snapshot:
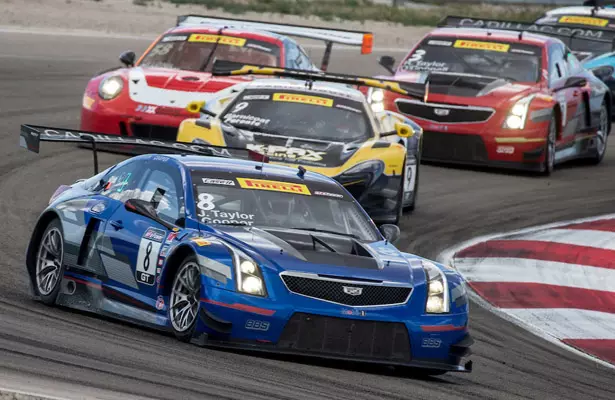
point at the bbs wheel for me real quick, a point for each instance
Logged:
(185, 299)
(549, 162)
(602, 136)
(49, 263)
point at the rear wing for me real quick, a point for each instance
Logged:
(565, 33)
(31, 136)
(361, 39)
(229, 68)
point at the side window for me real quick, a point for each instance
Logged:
(304, 60)
(162, 187)
(122, 182)
(292, 55)
(557, 64)
(573, 62)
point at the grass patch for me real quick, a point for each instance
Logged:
(366, 10)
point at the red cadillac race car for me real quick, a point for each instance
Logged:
(499, 97)
(148, 97)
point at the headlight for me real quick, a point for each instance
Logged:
(110, 87)
(518, 113)
(249, 276)
(375, 97)
(370, 169)
(437, 289)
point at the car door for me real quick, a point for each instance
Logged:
(138, 241)
(570, 98)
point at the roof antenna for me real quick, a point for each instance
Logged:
(309, 83)
(301, 172)
(520, 35)
(265, 151)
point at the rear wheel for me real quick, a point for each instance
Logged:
(602, 136)
(49, 263)
(185, 299)
(549, 161)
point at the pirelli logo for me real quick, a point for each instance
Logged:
(299, 98)
(275, 186)
(487, 46)
(227, 40)
(576, 19)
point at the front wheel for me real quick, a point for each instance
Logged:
(185, 299)
(602, 135)
(49, 263)
(399, 208)
(549, 161)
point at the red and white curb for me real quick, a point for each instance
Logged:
(556, 280)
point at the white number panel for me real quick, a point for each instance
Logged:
(147, 259)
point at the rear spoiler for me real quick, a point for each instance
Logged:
(230, 68)
(329, 36)
(593, 35)
(31, 136)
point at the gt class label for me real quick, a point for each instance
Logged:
(299, 98)
(276, 186)
(227, 40)
(575, 19)
(149, 248)
(476, 45)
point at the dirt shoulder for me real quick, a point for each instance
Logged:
(124, 17)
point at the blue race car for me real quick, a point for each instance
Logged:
(242, 254)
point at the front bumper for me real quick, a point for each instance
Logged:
(312, 328)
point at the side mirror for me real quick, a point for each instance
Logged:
(388, 63)
(195, 106)
(604, 72)
(128, 58)
(390, 232)
(146, 209)
(573, 82)
(404, 130)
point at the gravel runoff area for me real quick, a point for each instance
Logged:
(122, 17)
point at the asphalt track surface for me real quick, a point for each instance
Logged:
(42, 78)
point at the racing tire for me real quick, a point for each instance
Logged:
(399, 208)
(185, 298)
(602, 136)
(410, 207)
(49, 263)
(548, 164)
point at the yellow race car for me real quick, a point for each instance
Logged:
(322, 122)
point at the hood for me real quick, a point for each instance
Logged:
(174, 88)
(312, 252)
(290, 150)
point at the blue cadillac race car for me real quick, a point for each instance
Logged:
(242, 254)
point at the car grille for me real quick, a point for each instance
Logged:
(449, 115)
(333, 291)
(348, 338)
(161, 132)
(453, 147)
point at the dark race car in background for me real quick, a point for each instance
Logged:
(501, 98)
(148, 97)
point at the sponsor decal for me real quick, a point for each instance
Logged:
(98, 208)
(441, 112)
(349, 311)
(347, 108)
(256, 97)
(201, 242)
(164, 251)
(352, 291)
(505, 150)
(276, 186)
(227, 40)
(256, 325)
(147, 109)
(174, 38)
(287, 153)
(147, 258)
(579, 20)
(214, 181)
(209, 215)
(160, 158)
(159, 303)
(431, 343)
(328, 194)
(477, 45)
(160, 262)
(300, 98)
(171, 237)
(439, 43)
(259, 47)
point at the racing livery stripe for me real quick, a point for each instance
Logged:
(242, 307)
(557, 280)
(442, 328)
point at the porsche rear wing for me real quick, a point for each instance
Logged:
(230, 68)
(31, 136)
(567, 33)
(329, 36)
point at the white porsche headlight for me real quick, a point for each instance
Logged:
(437, 289)
(518, 113)
(375, 97)
(110, 87)
(248, 273)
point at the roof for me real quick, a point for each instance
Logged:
(494, 34)
(326, 88)
(254, 34)
(237, 165)
(583, 10)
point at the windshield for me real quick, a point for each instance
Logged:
(297, 114)
(191, 51)
(517, 62)
(260, 201)
(584, 35)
